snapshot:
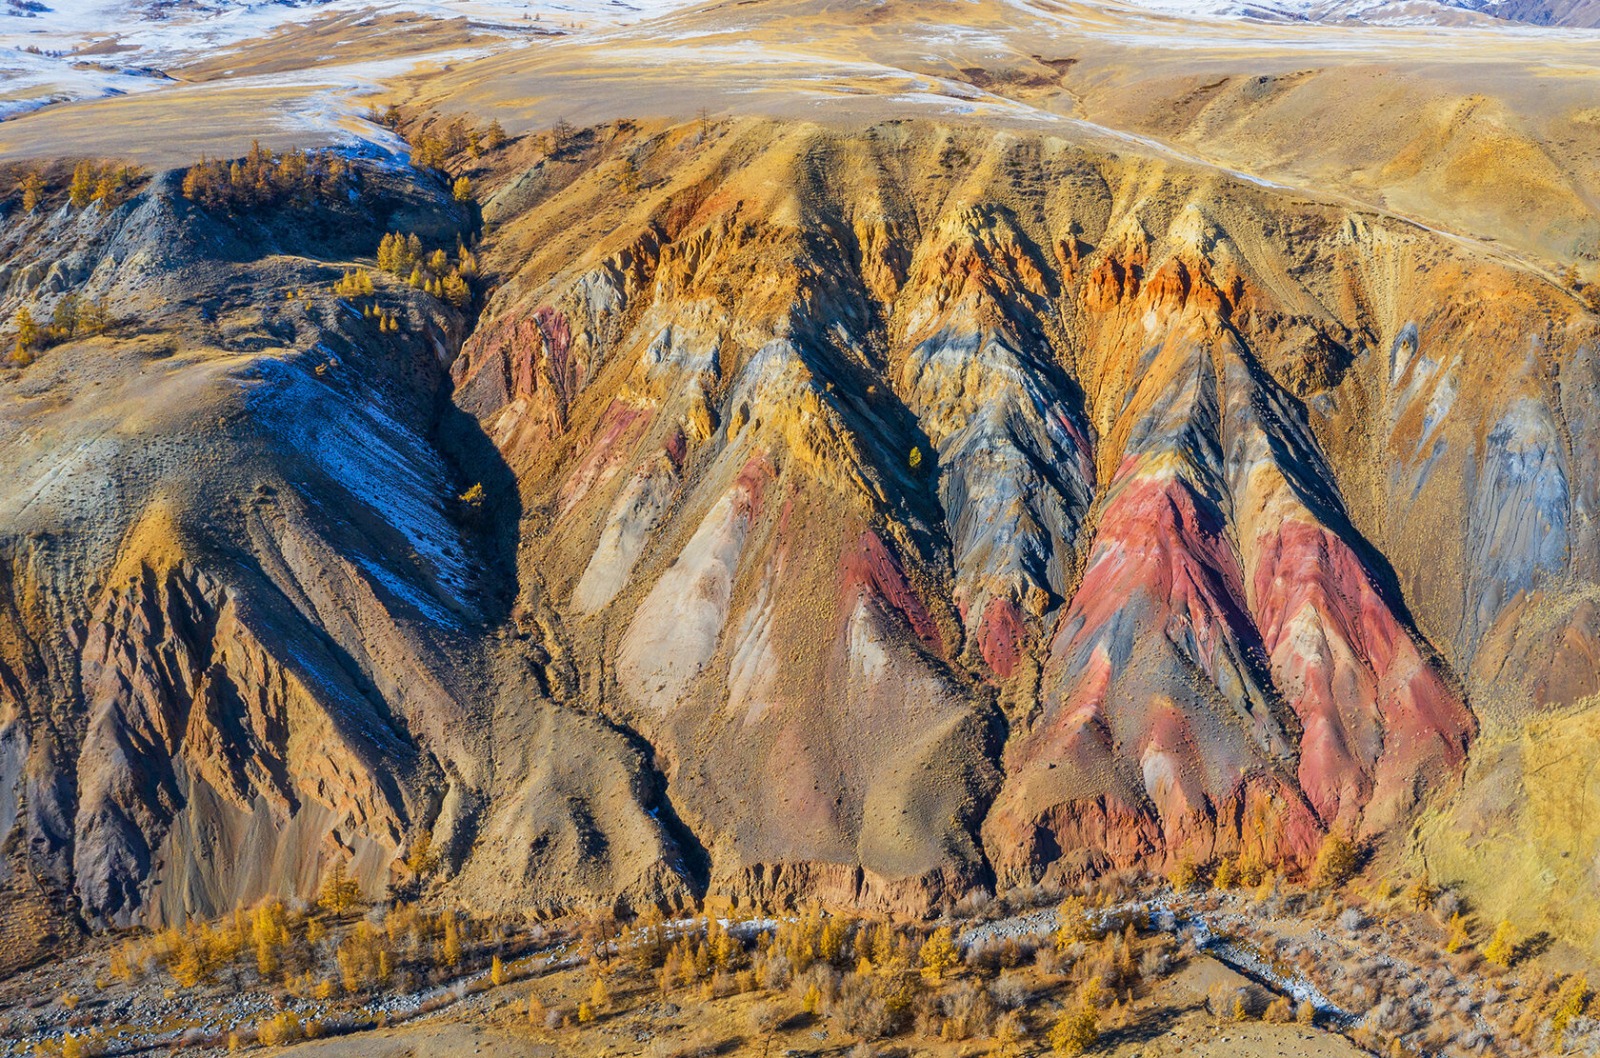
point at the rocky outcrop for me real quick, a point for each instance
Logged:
(244, 617)
(869, 517)
(1091, 494)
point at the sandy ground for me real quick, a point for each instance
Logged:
(428, 1041)
(1169, 1025)
(1486, 134)
(1189, 1031)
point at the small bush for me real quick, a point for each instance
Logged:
(284, 1029)
(1155, 963)
(1010, 992)
(863, 1010)
(767, 1017)
(1389, 1017)
(968, 1012)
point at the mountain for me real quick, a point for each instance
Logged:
(1578, 13)
(877, 460)
(1574, 13)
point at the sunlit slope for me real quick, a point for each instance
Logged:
(926, 446)
(1121, 449)
(1484, 131)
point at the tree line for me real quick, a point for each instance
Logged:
(437, 272)
(263, 178)
(90, 182)
(435, 144)
(74, 317)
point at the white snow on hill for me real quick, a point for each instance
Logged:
(55, 50)
(1370, 12)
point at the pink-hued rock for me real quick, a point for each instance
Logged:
(1002, 636)
(1375, 718)
(1031, 513)
(873, 571)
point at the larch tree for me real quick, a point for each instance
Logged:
(27, 331)
(81, 191)
(1502, 948)
(93, 317)
(450, 956)
(1075, 1032)
(32, 192)
(1336, 861)
(938, 956)
(456, 291)
(339, 891)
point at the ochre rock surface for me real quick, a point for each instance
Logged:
(869, 516)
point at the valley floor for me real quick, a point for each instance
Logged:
(1272, 972)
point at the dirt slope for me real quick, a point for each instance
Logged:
(877, 506)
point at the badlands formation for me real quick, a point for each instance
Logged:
(892, 450)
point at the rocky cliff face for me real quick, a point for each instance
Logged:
(873, 515)
(953, 438)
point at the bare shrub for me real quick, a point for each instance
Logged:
(1010, 992)
(1155, 963)
(1390, 1017)
(1220, 1000)
(822, 977)
(925, 1016)
(968, 1011)
(1351, 920)
(1227, 1002)
(1053, 961)
(862, 1010)
(978, 903)
(984, 956)
(1361, 996)
(774, 971)
(1016, 951)
(996, 954)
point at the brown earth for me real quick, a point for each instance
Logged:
(944, 465)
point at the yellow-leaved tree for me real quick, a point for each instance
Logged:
(1075, 1032)
(1336, 861)
(81, 191)
(1072, 922)
(1502, 947)
(938, 956)
(339, 891)
(32, 192)
(1458, 938)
